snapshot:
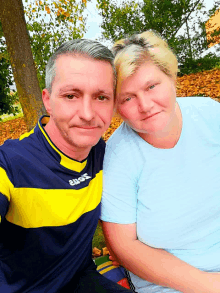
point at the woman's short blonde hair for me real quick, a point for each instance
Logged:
(130, 53)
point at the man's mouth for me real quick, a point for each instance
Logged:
(87, 127)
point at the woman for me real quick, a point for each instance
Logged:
(160, 207)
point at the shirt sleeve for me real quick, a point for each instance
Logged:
(119, 199)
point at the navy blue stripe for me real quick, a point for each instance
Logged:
(116, 274)
(38, 254)
(4, 204)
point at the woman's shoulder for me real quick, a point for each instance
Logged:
(201, 109)
(196, 101)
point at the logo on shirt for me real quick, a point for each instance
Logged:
(82, 178)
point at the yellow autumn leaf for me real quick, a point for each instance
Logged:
(47, 8)
(66, 14)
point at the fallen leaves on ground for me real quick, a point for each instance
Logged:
(12, 129)
(96, 252)
(206, 83)
(105, 251)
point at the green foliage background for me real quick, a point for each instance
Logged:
(180, 22)
(7, 101)
(50, 24)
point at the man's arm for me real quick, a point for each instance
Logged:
(156, 265)
(5, 187)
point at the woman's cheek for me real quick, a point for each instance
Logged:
(124, 111)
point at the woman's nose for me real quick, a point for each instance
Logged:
(144, 103)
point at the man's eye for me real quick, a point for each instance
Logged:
(70, 97)
(152, 86)
(102, 98)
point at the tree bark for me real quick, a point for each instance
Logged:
(22, 62)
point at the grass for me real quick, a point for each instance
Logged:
(98, 239)
(8, 117)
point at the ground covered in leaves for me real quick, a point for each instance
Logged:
(205, 83)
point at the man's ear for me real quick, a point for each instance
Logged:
(46, 100)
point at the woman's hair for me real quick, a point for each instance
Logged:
(130, 53)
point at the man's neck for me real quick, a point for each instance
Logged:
(75, 153)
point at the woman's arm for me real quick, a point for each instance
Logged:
(156, 265)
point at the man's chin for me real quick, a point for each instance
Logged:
(85, 143)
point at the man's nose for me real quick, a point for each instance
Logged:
(144, 103)
(87, 109)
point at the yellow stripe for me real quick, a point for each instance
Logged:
(65, 161)
(107, 270)
(26, 134)
(105, 264)
(33, 207)
(6, 187)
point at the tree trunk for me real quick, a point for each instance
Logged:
(22, 62)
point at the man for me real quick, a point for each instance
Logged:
(51, 179)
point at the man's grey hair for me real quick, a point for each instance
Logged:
(84, 47)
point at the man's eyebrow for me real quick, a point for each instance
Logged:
(69, 88)
(104, 92)
(77, 90)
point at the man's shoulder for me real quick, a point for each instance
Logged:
(99, 147)
(9, 146)
(97, 153)
(15, 150)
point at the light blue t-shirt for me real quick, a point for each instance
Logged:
(173, 195)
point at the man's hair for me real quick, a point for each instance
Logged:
(78, 47)
(130, 53)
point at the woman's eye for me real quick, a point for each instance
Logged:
(127, 99)
(152, 86)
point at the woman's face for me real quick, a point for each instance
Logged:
(146, 100)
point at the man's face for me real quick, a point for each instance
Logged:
(80, 104)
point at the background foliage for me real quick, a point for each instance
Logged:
(180, 22)
(6, 100)
(51, 23)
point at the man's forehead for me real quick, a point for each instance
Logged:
(80, 64)
(80, 67)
